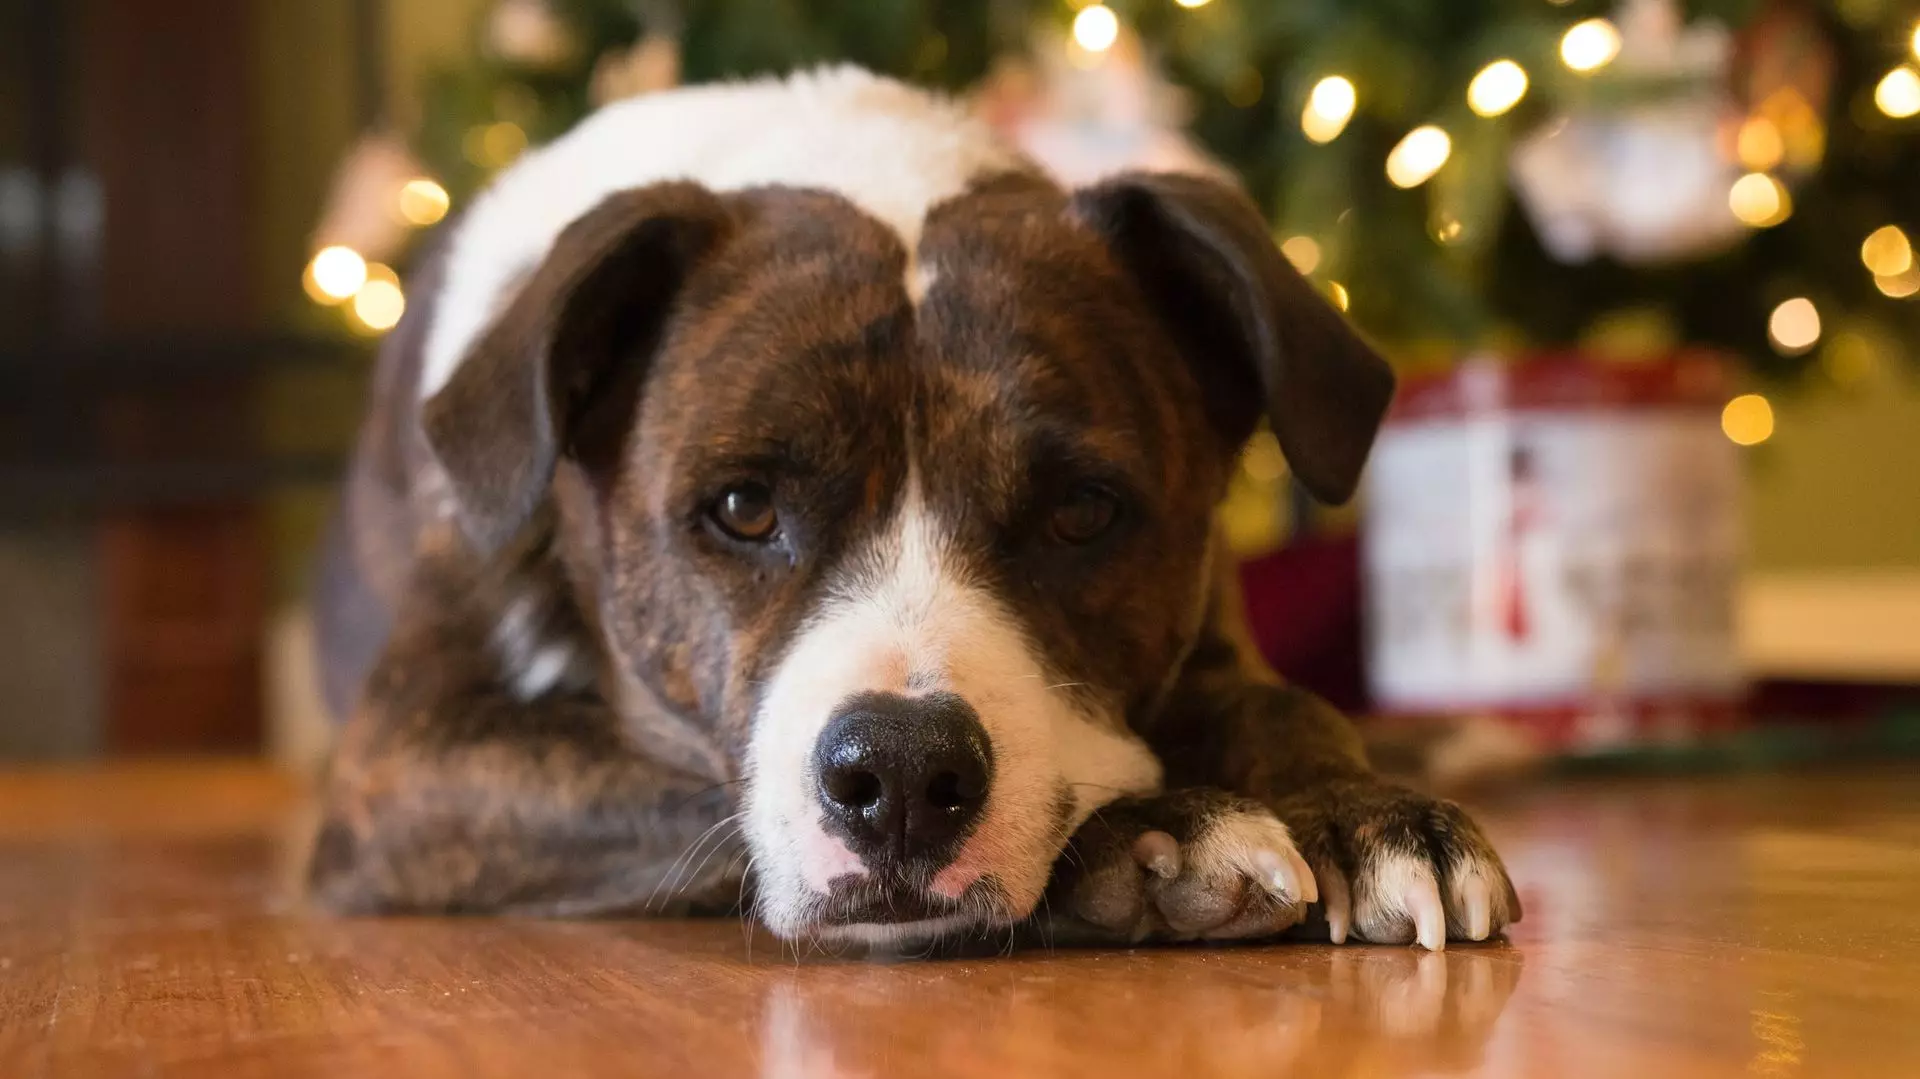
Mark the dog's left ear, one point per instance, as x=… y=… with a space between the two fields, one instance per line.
x=571 y=347
x=1251 y=328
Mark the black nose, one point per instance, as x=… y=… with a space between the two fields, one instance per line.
x=903 y=779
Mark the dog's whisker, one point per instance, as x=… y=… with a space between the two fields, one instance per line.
x=694 y=876
x=670 y=880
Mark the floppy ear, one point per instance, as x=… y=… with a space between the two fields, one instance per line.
x=1253 y=330
x=569 y=348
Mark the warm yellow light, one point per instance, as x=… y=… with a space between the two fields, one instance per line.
x=1760 y=146
x=493 y=146
x=1849 y=359
x=423 y=202
x=1747 y=419
x=1759 y=200
x=1418 y=156
x=1096 y=28
x=379 y=304
x=1898 y=95
x=1499 y=87
x=1303 y=252
x=1449 y=230
x=1899 y=286
x=1329 y=107
x=1337 y=292
x=1262 y=460
x=1794 y=326
x=1590 y=45
x=1887 y=252
x=1191 y=3
x=1915 y=43
x=337 y=273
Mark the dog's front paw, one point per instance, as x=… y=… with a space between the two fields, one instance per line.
x=1190 y=865
x=1395 y=866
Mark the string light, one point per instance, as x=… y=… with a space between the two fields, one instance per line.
x=1898 y=95
x=1338 y=293
x=1887 y=252
x=493 y=146
x=1747 y=419
x=1499 y=87
x=1329 y=106
x=1759 y=200
x=1898 y=286
x=1096 y=28
x=423 y=202
x=1589 y=46
x=336 y=273
x=1794 y=326
x=1262 y=460
x=1849 y=359
x=1760 y=146
x=378 y=305
x=1915 y=43
x=1449 y=230
x=1418 y=156
x=1303 y=252
x=1192 y=3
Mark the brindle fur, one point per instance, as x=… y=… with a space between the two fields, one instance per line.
x=675 y=340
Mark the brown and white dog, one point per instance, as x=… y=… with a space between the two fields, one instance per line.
x=788 y=469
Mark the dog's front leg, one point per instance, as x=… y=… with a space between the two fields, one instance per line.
x=1272 y=820
x=472 y=801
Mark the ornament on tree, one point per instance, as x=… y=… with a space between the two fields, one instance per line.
x=529 y=33
x=1642 y=182
x=1085 y=116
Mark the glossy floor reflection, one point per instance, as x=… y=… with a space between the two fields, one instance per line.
x=1751 y=927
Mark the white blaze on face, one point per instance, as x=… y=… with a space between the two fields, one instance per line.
x=904 y=621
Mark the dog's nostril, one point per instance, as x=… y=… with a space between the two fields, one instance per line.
x=946 y=791
x=854 y=789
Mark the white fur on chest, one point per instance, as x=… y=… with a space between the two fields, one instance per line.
x=890 y=149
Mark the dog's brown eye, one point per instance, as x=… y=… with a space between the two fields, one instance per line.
x=1086 y=515
x=746 y=512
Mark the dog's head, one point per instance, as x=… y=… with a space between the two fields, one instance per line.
x=917 y=532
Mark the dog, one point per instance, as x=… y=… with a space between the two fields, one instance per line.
x=781 y=492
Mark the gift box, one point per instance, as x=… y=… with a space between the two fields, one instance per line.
x=1556 y=544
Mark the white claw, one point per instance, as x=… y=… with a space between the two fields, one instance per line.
x=1309 y=888
x=1158 y=853
x=1339 y=902
x=1285 y=874
x=1479 y=912
x=1429 y=917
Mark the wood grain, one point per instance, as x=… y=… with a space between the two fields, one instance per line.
x=149 y=926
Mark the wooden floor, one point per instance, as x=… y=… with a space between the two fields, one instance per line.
x=1718 y=927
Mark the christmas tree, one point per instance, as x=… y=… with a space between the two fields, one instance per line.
x=1495 y=176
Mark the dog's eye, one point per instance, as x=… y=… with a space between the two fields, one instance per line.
x=1086 y=515
x=746 y=512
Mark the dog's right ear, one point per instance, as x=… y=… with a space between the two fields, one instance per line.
x=579 y=329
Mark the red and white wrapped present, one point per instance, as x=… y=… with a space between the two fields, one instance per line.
x=1557 y=544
